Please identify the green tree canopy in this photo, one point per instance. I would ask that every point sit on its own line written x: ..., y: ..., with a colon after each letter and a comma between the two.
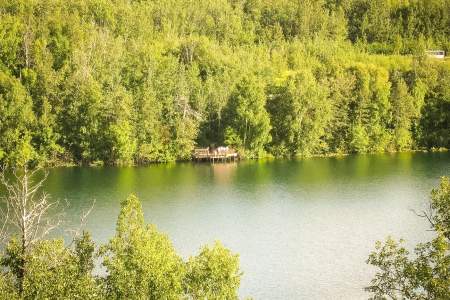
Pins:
x: 424, y: 275
x: 140, y: 261
x: 213, y: 274
x: 133, y: 82
x: 247, y: 121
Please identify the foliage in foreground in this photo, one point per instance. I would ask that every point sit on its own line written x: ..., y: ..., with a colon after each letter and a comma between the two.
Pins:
x: 213, y: 274
x: 424, y: 275
x: 140, y: 263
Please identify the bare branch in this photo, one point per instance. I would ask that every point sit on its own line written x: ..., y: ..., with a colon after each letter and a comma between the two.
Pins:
x: 76, y: 232
x: 427, y: 215
x: 27, y: 208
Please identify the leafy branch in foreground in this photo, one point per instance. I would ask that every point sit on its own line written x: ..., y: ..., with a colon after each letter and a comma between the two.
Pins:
x: 213, y: 274
x: 139, y: 261
x: 426, y: 275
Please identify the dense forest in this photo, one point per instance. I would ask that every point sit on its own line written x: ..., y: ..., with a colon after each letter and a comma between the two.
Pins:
x: 131, y: 82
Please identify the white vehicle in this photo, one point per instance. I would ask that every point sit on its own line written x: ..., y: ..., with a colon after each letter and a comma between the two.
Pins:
x: 436, y: 53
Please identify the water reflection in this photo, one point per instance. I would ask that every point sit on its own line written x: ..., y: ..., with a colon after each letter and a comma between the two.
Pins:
x: 303, y: 228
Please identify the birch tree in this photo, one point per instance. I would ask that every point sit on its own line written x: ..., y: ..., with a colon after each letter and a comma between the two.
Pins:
x: 25, y: 211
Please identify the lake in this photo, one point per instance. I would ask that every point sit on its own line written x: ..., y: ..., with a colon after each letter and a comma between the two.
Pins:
x: 303, y: 228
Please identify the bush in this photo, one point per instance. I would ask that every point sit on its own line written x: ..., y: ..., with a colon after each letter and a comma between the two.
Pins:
x: 426, y: 275
x: 213, y: 274
x: 141, y: 263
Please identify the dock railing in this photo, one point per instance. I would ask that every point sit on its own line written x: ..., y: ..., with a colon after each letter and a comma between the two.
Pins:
x: 200, y: 153
x: 217, y: 154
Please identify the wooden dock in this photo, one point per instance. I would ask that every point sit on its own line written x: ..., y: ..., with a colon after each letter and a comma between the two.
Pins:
x: 221, y: 154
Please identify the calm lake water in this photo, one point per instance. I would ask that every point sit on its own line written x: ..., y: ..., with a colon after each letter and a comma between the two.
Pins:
x: 303, y: 229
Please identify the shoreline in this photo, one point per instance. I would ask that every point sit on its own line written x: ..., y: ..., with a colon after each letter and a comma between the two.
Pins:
x: 268, y: 157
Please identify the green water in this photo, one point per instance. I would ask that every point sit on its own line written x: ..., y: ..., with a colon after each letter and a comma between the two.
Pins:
x: 303, y: 229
